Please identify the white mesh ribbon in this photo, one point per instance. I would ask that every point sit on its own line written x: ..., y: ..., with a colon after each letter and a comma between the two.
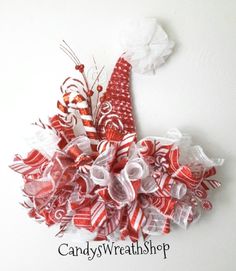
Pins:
x: 43, y: 140
x: 178, y: 190
x: 121, y: 189
x: 136, y: 169
x: 146, y: 45
x: 148, y: 185
x: 100, y: 175
x: 155, y: 222
x: 83, y: 144
x: 191, y: 154
x: 182, y: 215
x: 196, y: 155
x: 39, y: 188
x: 99, y: 171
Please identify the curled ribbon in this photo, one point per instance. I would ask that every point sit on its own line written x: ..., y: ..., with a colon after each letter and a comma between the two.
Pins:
x: 124, y: 188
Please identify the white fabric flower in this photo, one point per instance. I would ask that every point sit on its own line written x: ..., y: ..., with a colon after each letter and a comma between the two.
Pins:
x: 146, y: 45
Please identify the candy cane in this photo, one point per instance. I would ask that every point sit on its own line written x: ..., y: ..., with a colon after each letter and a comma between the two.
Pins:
x: 67, y: 88
x: 87, y: 120
x: 85, y: 115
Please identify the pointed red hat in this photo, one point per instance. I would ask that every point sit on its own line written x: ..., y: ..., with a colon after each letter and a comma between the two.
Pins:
x: 115, y: 116
x: 146, y: 48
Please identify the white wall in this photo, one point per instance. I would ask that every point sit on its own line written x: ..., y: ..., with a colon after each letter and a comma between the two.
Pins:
x: 194, y: 91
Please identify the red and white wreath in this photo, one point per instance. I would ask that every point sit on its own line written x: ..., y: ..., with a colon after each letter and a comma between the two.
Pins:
x: 89, y: 171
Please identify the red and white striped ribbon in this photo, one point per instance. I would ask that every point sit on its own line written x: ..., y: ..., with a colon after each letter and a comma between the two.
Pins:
x: 111, y: 223
x: 147, y: 147
x: 210, y: 184
x: 82, y: 219
x: 98, y: 213
x: 136, y: 216
x: 161, y: 149
x: 124, y: 146
x: 174, y: 159
x: 31, y: 164
x: 165, y: 205
x: 103, y: 146
x: 184, y: 174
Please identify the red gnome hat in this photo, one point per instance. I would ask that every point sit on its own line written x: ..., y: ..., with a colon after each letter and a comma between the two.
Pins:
x: 115, y: 117
x: 146, y: 47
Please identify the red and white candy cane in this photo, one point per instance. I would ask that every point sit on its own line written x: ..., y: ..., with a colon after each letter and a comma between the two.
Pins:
x: 87, y: 120
x: 85, y: 114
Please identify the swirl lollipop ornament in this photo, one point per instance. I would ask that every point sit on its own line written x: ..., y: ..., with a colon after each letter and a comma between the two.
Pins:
x: 88, y: 170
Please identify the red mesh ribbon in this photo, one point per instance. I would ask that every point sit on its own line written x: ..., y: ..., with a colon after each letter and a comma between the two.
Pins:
x: 116, y: 108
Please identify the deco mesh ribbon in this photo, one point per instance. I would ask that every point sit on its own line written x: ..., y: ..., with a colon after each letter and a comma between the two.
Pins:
x: 88, y: 171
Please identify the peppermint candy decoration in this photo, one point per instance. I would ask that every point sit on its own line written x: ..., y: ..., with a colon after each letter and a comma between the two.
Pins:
x: 161, y: 163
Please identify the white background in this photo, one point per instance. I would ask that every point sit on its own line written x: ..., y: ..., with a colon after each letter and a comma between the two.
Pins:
x: 195, y: 91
